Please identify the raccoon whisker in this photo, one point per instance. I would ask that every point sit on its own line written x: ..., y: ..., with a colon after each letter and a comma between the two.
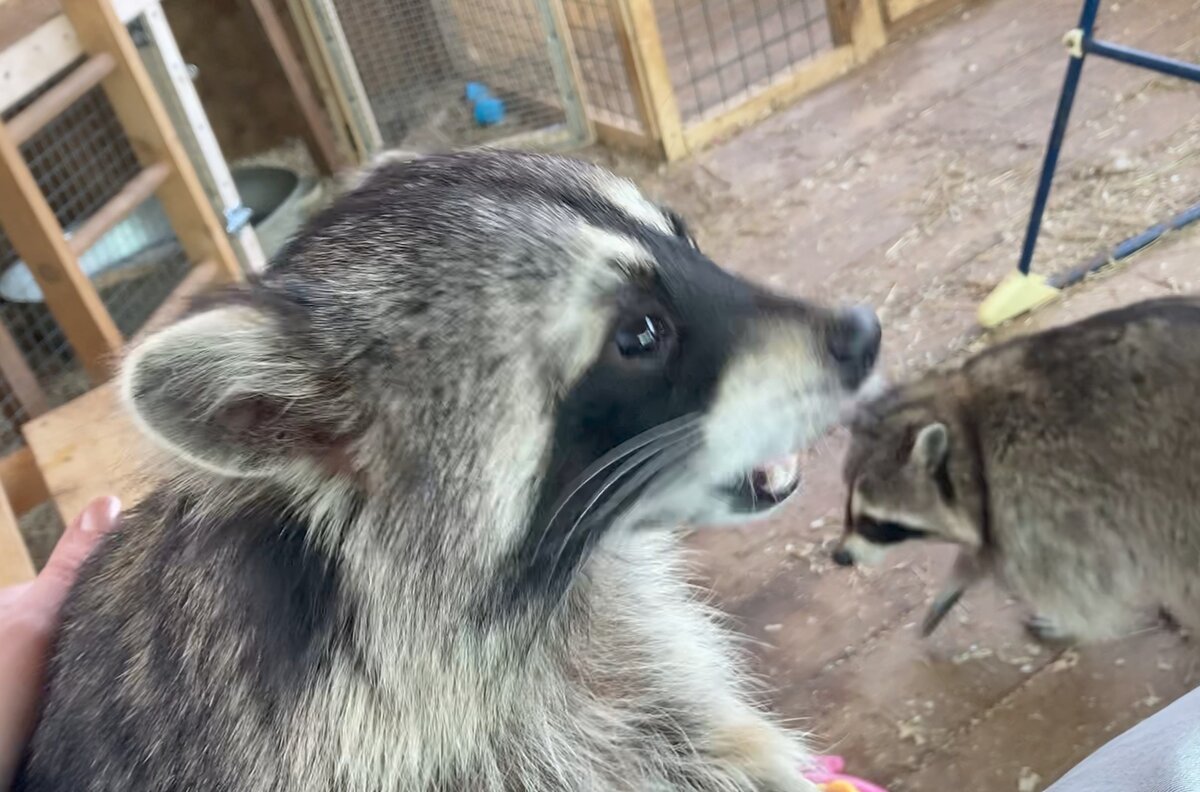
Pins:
x: 657, y: 434
x: 638, y: 474
x: 637, y: 481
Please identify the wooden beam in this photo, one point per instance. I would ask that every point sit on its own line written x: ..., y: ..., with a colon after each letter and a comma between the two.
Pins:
x: 202, y: 277
x: 566, y: 70
x: 840, y: 12
x: 51, y: 104
x: 636, y: 27
x: 904, y: 15
x: 37, y: 57
x: 898, y: 9
x: 130, y: 197
x: 22, y: 482
x: 88, y: 448
x: 20, y: 378
x: 38, y: 239
x: 15, y: 564
x: 626, y: 139
x: 20, y: 18
x: 868, y: 33
x: 760, y: 102
x: 179, y: 94
x: 351, y: 94
x: 859, y: 23
x: 149, y: 128
x: 319, y: 132
x: 320, y: 71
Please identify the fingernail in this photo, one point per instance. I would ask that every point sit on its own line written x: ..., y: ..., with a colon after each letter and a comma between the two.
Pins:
x: 99, y: 514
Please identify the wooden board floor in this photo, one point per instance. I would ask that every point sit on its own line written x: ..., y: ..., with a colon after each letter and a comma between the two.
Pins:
x: 908, y: 184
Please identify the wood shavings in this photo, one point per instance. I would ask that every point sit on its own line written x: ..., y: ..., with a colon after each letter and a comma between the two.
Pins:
x: 1065, y: 662
x: 912, y: 730
x: 974, y: 652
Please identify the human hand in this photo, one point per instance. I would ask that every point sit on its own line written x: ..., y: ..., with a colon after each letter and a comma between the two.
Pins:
x: 28, y: 621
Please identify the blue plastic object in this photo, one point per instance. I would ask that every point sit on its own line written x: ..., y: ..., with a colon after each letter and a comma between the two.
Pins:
x: 488, y: 111
x: 476, y: 91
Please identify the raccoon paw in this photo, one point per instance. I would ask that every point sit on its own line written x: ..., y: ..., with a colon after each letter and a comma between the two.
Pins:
x: 1045, y: 630
x: 1168, y: 622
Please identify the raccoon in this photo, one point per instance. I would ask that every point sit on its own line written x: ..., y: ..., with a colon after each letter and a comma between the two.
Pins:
x: 422, y: 476
x: 1066, y: 463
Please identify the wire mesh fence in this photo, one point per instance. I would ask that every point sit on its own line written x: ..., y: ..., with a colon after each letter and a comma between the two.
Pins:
x: 610, y: 98
x: 415, y: 57
x: 80, y: 161
x: 719, y: 52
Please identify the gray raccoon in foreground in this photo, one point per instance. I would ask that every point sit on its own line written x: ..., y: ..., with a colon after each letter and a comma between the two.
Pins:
x: 417, y: 533
x: 1066, y: 463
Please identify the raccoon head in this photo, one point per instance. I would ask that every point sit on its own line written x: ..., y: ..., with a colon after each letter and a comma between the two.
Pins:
x: 509, y: 356
x: 908, y: 477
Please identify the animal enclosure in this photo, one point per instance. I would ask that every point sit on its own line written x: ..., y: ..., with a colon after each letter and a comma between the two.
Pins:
x: 81, y: 161
x: 105, y: 226
x: 664, y: 76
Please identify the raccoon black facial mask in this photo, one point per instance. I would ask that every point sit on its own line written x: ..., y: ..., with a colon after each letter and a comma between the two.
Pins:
x: 665, y: 425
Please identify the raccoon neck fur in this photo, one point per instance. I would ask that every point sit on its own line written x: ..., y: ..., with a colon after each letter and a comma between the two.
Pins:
x: 466, y: 702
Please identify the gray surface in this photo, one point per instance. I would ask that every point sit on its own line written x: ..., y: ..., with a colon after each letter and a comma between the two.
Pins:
x: 1160, y: 754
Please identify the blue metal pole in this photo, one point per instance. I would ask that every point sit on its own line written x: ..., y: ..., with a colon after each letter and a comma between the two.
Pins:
x: 1146, y: 60
x: 1126, y: 248
x: 1066, y: 100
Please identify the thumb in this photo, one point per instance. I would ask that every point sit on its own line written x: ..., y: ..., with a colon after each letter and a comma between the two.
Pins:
x: 77, y: 542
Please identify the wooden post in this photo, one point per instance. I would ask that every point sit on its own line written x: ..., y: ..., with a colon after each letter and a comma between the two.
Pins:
x: 15, y: 566
x: 840, y: 13
x: 641, y: 47
x: 868, y: 30
x: 22, y: 382
x: 38, y: 239
x: 859, y: 24
x: 21, y: 481
x: 321, y: 74
x: 320, y: 134
x: 150, y: 132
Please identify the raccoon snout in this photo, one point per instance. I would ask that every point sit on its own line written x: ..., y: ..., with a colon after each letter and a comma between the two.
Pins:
x: 854, y: 342
x: 843, y: 557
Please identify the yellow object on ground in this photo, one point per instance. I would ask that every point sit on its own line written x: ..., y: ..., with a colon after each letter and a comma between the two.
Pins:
x: 1016, y: 294
x: 839, y: 786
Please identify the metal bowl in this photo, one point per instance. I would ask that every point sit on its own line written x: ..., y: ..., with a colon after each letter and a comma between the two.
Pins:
x: 279, y: 201
x: 144, y: 233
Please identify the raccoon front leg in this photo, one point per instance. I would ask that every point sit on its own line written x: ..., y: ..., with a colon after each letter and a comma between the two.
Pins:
x: 768, y: 756
x: 1045, y: 630
x: 968, y: 568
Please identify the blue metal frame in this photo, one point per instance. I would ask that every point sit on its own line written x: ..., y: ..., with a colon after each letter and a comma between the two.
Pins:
x: 1085, y: 44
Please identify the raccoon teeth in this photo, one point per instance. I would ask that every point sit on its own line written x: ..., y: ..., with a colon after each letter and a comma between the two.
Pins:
x: 779, y: 476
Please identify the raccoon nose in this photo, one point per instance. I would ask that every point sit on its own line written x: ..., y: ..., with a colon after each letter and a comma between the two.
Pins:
x: 854, y: 344
x: 842, y: 557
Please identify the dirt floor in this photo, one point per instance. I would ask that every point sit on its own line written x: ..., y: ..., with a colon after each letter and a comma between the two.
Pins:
x: 908, y: 185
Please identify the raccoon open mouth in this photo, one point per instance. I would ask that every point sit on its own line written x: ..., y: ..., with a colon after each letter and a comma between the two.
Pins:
x: 767, y: 485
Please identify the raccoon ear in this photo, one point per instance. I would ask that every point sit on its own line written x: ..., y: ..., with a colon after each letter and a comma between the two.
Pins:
x: 226, y: 391
x: 931, y: 445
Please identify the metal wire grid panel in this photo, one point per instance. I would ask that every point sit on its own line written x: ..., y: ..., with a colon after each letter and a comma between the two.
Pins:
x: 414, y: 59
x: 81, y: 160
x: 610, y: 98
x: 721, y: 52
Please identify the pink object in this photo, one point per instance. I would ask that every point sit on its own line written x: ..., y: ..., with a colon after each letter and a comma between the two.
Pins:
x: 829, y: 770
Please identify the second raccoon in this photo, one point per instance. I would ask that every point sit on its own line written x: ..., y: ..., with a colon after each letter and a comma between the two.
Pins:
x: 1066, y: 463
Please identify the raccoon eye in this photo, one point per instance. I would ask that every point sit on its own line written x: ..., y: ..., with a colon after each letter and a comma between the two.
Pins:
x: 642, y: 336
x: 885, y: 533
